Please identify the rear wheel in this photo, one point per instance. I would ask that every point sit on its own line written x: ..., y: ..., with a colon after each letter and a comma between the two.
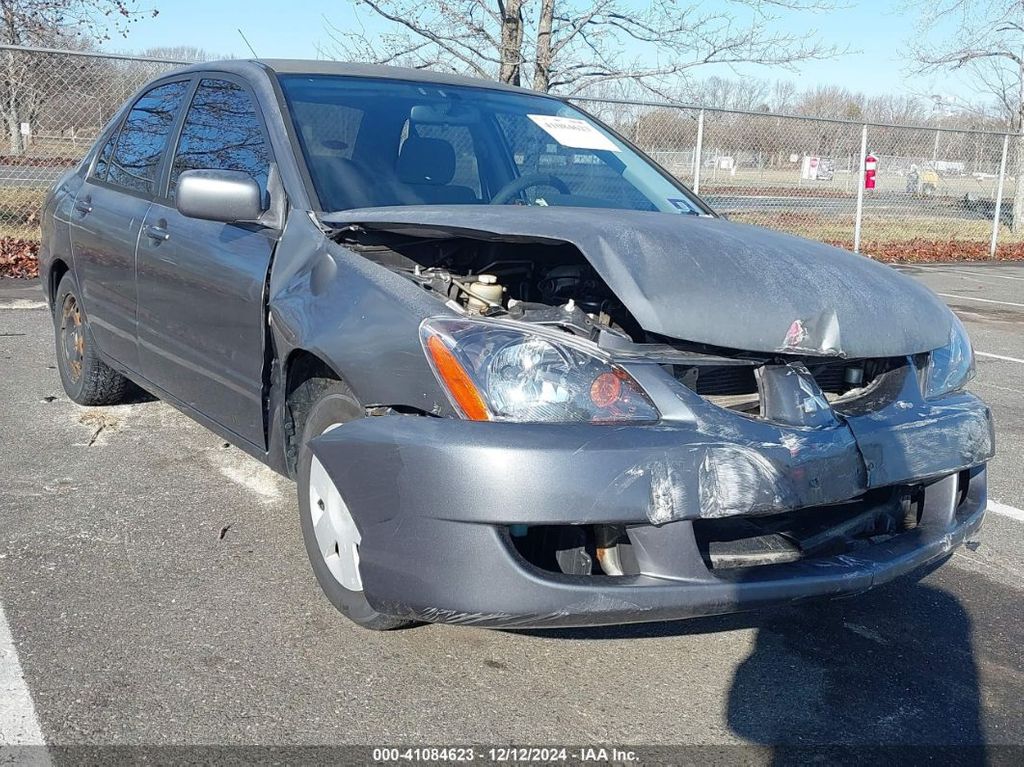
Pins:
x: 330, y: 533
x: 87, y: 379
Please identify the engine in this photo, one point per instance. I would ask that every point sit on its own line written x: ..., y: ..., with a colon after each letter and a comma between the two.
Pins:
x: 547, y: 283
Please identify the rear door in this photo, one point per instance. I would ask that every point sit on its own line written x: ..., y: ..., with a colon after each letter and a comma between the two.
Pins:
x: 201, y: 320
x: 108, y: 213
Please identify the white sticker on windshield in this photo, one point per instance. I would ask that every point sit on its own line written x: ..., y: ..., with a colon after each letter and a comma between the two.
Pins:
x: 574, y: 133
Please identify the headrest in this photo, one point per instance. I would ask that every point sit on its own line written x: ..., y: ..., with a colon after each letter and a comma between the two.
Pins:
x: 426, y: 161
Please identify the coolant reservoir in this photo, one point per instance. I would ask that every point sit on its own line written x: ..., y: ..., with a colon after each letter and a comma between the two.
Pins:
x: 485, y: 288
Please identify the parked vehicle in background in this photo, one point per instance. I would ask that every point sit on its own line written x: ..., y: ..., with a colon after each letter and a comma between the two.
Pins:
x: 949, y: 168
x: 521, y: 375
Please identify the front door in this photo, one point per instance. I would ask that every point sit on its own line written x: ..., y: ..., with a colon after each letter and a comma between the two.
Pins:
x: 202, y: 322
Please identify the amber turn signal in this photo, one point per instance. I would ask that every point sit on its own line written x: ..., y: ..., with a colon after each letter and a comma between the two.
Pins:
x: 457, y: 380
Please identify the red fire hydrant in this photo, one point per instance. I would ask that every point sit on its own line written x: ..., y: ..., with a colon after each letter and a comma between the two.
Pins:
x: 870, y: 164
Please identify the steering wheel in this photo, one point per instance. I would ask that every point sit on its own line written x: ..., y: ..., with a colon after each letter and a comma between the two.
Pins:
x: 517, y: 185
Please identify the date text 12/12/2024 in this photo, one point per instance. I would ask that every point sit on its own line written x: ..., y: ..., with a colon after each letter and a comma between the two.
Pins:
x: 541, y: 754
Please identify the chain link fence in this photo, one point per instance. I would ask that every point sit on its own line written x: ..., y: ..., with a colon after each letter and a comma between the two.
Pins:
x: 53, y: 105
x: 798, y: 174
x: 933, y: 186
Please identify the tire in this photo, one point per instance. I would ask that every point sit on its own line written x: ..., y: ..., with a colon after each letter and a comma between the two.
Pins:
x: 323, y: 404
x: 87, y: 379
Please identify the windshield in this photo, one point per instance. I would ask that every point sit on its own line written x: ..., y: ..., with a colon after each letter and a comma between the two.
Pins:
x: 373, y: 142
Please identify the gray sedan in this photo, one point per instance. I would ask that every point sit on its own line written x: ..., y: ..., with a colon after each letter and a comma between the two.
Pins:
x: 520, y: 374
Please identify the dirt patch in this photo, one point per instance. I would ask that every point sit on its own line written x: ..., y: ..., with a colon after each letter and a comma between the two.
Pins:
x: 99, y: 423
x: 103, y: 423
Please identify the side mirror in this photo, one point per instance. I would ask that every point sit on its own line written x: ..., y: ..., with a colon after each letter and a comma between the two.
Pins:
x: 218, y: 195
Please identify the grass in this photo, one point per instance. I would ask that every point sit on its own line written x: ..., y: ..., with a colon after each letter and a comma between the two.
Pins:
x: 20, y: 232
x: 19, y: 211
x: 818, y: 226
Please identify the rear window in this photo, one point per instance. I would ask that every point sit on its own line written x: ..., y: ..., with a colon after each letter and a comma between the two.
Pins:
x: 140, y: 145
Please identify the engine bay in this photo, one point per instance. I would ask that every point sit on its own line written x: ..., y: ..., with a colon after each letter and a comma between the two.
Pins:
x: 544, y: 283
x: 551, y: 283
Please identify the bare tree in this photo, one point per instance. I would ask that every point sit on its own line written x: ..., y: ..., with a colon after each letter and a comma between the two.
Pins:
x: 783, y: 96
x: 181, y: 53
x: 896, y: 109
x: 749, y: 94
x: 571, y: 46
x: 26, y: 82
x: 987, y: 42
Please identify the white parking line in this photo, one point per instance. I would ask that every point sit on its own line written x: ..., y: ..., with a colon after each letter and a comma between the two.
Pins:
x: 18, y: 723
x: 1006, y: 511
x: 961, y: 270
x: 976, y: 279
x: 986, y: 274
x: 992, y: 275
x: 998, y: 357
x: 983, y: 300
x: 980, y: 280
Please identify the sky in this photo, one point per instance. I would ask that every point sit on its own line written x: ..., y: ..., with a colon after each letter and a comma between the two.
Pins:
x: 877, y: 31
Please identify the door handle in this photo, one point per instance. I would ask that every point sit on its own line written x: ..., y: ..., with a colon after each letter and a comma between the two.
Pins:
x: 84, y: 206
x: 157, y: 232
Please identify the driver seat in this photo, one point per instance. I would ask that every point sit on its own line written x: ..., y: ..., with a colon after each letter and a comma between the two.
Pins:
x: 426, y: 166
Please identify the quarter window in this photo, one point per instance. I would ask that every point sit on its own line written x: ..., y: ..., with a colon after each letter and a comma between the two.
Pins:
x: 140, y: 145
x: 222, y: 132
x: 103, y: 161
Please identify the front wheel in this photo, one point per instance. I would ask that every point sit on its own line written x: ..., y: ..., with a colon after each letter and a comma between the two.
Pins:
x: 330, y: 533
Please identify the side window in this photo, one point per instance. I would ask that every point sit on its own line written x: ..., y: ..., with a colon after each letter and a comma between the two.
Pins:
x: 222, y: 131
x: 140, y: 145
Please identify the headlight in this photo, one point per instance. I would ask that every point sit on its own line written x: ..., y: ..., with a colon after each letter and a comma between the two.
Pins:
x: 497, y: 372
x: 952, y: 366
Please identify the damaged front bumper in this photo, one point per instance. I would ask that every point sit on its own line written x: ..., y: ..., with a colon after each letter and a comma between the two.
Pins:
x: 441, y: 503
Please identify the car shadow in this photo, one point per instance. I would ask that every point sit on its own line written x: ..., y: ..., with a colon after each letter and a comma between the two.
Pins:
x: 692, y: 626
x: 136, y: 395
x: 892, y: 667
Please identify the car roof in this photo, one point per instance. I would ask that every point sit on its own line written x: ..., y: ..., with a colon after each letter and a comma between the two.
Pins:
x: 354, y: 69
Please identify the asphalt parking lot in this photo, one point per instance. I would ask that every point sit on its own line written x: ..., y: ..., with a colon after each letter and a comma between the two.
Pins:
x: 156, y: 591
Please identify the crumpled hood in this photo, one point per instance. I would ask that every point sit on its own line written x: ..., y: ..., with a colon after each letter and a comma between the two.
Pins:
x: 710, y: 280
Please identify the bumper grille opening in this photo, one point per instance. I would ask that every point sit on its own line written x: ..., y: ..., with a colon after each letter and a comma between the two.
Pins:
x: 735, y: 387
x: 575, y: 549
x: 739, y: 542
x: 742, y: 542
x: 963, y: 508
